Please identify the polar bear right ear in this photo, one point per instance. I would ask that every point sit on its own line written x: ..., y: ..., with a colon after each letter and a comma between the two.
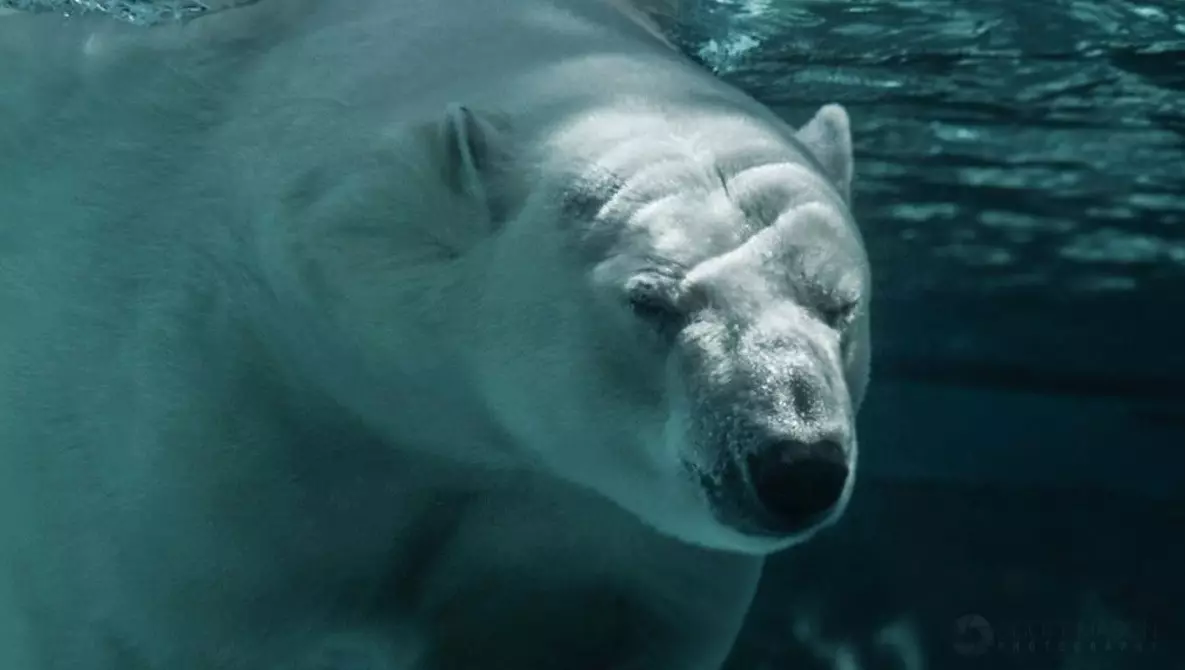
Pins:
x: 472, y: 153
x: 828, y: 136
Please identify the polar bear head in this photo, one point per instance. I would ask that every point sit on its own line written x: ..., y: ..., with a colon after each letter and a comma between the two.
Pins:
x: 674, y: 313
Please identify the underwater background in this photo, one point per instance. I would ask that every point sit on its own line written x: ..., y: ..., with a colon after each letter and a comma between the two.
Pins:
x: 1021, y: 189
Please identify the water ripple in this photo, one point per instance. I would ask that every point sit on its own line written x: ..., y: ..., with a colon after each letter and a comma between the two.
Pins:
x: 1065, y: 119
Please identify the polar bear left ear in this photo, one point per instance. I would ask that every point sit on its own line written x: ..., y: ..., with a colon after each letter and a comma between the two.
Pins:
x: 472, y: 152
x: 828, y: 136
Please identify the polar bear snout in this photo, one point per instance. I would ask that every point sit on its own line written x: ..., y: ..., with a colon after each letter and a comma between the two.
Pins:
x: 781, y: 489
x: 796, y: 485
x: 766, y: 413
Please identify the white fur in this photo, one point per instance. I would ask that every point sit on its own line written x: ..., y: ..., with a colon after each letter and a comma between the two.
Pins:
x: 303, y: 364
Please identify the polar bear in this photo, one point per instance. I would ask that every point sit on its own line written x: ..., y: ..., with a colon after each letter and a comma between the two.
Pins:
x: 409, y: 336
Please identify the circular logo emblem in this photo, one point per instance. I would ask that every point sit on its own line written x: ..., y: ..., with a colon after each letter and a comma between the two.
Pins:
x: 973, y: 635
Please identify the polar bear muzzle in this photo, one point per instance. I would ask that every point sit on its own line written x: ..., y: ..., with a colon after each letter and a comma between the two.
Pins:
x: 795, y: 485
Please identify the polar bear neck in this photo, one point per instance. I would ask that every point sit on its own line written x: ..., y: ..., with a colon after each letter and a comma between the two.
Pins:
x: 393, y: 374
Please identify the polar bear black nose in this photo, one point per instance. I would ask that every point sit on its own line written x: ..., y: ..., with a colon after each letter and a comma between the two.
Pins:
x: 798, y: 483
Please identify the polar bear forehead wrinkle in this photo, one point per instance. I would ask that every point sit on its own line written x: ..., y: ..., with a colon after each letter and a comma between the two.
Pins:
x: 767, y: 191
x: 679, y: 188
x: 640, y: 154
x: 676, y: 220
x: 808, y: 254
x: 640, y: 189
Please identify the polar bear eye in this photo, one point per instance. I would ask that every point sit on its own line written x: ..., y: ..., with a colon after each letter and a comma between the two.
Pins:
x: 839, y: 314
x: 657, y: 313
x: 652, y: 305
